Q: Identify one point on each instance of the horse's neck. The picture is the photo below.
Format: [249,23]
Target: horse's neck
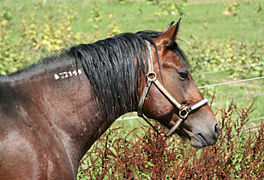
[62,101]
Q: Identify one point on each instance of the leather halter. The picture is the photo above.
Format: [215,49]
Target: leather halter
[184,111]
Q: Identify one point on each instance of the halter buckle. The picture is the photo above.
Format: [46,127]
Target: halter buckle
[184,112]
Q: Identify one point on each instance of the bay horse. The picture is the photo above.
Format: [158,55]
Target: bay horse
[53,111]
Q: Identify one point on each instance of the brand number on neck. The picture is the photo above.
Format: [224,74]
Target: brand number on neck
[67,74]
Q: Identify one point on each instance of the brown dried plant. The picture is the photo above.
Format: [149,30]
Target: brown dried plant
[239,153]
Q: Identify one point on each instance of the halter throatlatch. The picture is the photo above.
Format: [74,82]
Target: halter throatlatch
[184,111]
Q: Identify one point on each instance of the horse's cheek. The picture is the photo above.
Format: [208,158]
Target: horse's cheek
[157,106]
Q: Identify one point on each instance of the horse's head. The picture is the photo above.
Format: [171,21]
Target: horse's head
[200,126]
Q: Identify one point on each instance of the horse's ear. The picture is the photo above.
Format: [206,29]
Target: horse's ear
[169,35]
[169,26]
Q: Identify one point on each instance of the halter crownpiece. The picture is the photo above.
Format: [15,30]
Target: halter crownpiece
[184,111]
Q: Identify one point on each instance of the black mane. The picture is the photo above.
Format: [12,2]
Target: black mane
[111,69]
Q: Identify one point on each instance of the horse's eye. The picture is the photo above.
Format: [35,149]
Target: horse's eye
[183,75]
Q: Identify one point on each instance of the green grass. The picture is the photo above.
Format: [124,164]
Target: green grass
[205,20]
[202,19]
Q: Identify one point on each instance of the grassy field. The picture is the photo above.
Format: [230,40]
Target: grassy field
[202,19]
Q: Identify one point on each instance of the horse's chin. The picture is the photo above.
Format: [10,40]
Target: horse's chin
[196,140]
[198,144]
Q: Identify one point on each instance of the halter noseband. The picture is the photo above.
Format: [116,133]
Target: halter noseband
[184,111]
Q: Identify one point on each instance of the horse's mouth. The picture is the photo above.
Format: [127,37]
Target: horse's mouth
[196,140]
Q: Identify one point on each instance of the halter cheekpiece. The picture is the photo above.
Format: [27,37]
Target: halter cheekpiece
[184,111]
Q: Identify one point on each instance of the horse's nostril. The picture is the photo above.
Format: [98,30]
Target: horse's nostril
[217,128]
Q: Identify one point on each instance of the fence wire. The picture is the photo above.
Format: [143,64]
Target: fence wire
[230,82]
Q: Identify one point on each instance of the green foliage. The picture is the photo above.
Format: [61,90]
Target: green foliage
[125,1]
[231,8]
[237,59]
[240,58]
[46,37]
[260,7]
[36,38]
[171,7]
[96,16]
[113,27]
[7,52]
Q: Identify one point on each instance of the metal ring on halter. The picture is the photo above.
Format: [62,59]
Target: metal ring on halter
[151,76]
